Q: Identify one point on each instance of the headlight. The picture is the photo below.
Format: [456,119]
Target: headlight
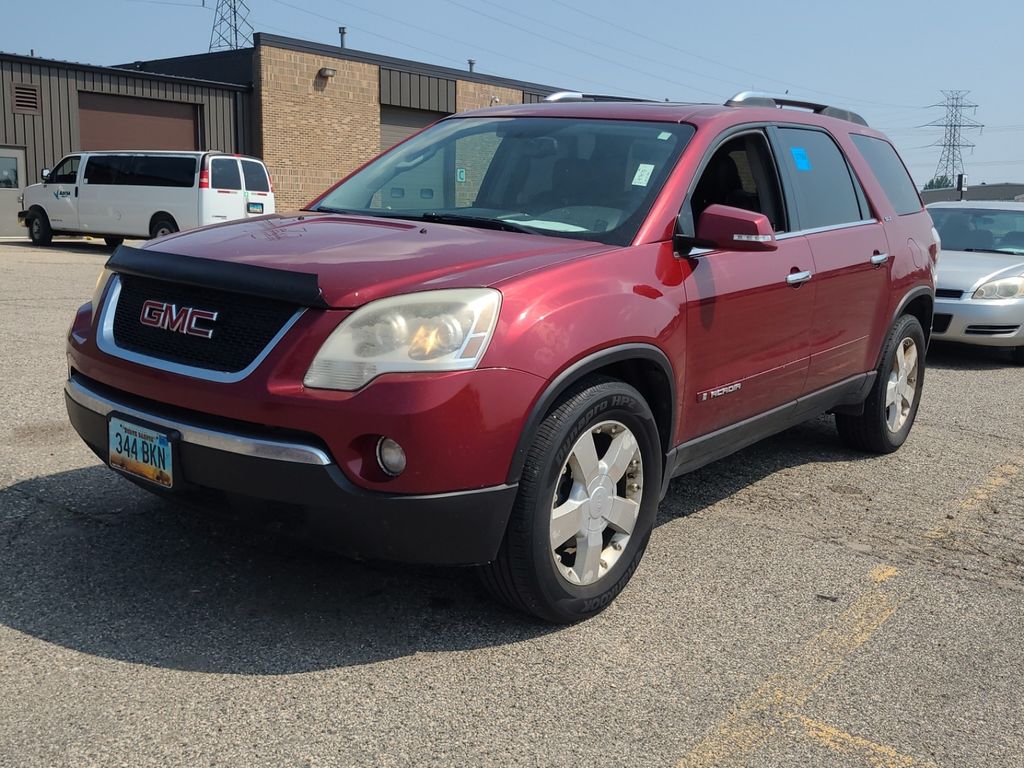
[1007,288]
[431,331]
[97,292]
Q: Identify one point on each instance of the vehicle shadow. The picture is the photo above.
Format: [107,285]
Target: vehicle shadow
[73,245]
[964,357]
[91,563]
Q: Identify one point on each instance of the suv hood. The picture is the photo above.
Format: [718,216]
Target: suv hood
[966,270]
[359,259]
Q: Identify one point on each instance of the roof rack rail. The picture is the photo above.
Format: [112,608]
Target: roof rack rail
[576,96]
[756,99]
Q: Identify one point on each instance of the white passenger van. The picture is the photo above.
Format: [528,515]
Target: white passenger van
[115,195]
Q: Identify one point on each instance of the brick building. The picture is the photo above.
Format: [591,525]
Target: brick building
[319,111]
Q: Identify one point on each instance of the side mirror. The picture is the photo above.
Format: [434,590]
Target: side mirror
[735,229]
[44,174]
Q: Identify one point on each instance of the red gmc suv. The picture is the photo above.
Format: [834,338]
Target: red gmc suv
[498,342]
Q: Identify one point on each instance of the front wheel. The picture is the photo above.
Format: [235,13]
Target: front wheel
[587,500]
[891,406]
[39,231]
[162,225]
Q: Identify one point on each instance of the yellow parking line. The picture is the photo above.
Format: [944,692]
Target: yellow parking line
[755,719]
[841,742]
[977,496]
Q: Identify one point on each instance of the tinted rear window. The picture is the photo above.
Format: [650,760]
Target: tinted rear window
[255,176]
[823,186]
[224,174]
[891,174]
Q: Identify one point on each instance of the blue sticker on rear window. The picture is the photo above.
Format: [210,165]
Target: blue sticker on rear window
[803,162]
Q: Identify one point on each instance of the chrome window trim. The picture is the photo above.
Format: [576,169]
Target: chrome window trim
[105,341]
[275,450]
[829,228]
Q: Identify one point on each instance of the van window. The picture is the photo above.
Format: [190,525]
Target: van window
[224,174]
[161,171]
[66,172]
[255,176]
[108,169]
[822,183]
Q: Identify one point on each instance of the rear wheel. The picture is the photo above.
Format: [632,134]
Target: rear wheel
[586,505]
[39,231]
[161,225]
[113,242]
[891,406]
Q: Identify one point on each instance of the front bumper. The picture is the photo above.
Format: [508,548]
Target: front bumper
[985,322]
[298,478]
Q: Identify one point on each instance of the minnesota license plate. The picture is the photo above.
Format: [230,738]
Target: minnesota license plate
[141,451]
[255,208]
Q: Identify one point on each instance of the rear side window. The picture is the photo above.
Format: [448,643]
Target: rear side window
[825,191]
[224,174]
[890,172]
[160,171]
[255,176]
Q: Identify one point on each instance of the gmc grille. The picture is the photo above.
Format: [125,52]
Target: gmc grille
[244,327]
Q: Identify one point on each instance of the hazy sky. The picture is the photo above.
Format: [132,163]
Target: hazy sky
[888,60]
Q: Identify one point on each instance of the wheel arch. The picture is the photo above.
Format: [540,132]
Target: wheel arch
[643,366]
[919,302]
[159,215]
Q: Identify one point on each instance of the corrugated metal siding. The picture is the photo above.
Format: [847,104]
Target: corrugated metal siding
[55,132]
[413,91]
[532,98]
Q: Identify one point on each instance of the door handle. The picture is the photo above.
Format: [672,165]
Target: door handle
[879,259]
[796,278]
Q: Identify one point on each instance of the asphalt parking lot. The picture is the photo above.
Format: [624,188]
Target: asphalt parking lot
[800,605]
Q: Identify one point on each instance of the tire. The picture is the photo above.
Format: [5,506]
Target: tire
[113,242]
[39,231]
[534,573]
[162,225]
[884,426]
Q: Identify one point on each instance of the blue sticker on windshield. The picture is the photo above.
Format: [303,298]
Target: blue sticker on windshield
[803,162]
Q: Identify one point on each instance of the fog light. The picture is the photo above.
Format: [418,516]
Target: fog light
[390,456]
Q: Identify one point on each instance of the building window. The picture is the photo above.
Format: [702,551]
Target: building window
[26,99]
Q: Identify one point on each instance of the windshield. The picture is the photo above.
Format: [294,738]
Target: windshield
[585,179]
[980,229]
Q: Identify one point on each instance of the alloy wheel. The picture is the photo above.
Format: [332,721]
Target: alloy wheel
[902,385]
[596,503]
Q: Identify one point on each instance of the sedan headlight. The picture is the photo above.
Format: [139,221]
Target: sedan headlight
[444,330]
[1007,288]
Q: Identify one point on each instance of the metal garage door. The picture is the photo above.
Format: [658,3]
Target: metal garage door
[12,182]
[123,122]
[398,123]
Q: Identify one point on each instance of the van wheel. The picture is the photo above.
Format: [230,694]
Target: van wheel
[39,231]
[587,501]
[161,225]
[113,242]
[891,407]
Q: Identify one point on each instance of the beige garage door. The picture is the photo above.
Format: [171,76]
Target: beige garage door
[124,122]
[399,123]
[12,182]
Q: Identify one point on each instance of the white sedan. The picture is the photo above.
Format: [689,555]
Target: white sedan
[979,296]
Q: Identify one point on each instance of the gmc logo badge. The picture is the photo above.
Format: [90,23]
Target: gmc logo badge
[170,317]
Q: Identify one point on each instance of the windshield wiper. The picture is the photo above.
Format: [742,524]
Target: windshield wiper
[472,221]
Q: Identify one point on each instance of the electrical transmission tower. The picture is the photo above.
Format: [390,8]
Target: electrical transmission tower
[955,123]
[231,27]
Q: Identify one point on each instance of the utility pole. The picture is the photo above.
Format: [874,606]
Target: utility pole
[955,123]
[231,27]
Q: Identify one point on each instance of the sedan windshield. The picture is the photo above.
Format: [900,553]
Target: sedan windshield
[585,179]
[980,229]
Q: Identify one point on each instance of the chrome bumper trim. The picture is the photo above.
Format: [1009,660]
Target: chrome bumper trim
[245,445]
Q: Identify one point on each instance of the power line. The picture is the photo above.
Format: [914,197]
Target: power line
[955,122]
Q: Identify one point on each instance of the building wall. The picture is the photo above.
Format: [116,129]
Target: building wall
[55,130]
[480,95]
[314,130]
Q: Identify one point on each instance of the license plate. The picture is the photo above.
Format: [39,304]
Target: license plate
[255,207]
[141,451]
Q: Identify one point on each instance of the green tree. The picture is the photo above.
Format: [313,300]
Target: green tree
[939,182]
